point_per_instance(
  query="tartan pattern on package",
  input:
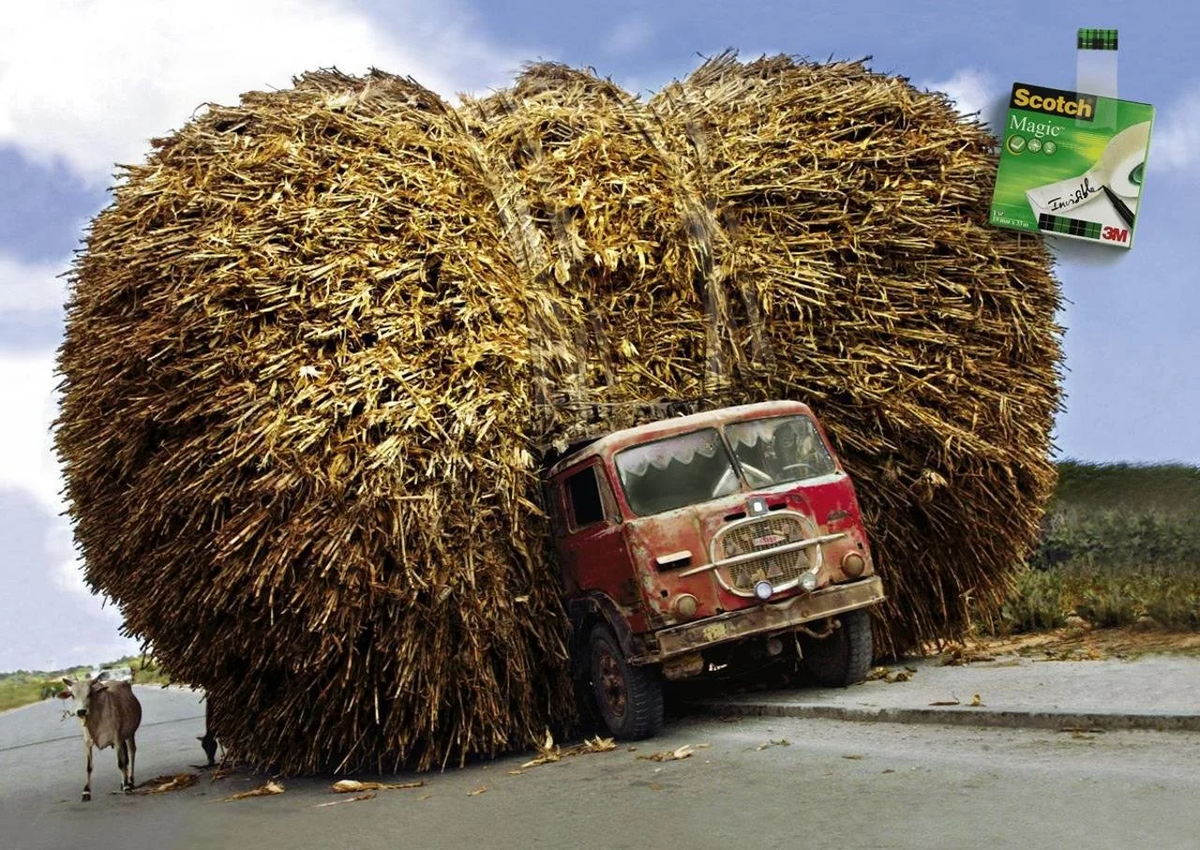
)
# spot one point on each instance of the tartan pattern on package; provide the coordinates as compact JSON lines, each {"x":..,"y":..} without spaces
{"x":1068,"y":226}
{"x":1090,"y":39}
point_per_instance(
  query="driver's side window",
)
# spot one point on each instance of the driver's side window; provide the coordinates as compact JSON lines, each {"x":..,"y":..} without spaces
{"x":584,"y":499}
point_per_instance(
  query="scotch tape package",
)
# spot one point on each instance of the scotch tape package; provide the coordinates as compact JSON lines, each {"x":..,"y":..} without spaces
{"x":1065,"y":172}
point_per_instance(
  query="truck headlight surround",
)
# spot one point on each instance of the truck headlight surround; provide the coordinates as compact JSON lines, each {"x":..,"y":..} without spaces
{"x":809,"y":581}
{"x":685,"y":606}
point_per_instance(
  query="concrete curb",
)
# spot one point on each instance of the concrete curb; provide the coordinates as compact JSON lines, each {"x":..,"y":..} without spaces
{"x":959,"y":716}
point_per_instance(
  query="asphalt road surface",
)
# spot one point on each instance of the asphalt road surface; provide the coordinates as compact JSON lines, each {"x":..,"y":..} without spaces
{"x":833,"y":784}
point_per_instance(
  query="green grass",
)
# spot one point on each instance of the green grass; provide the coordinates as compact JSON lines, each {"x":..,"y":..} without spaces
{"x":1105,"y":598}
{"x":1119,"y":542}
{"x":17,"y":690}
{"x":1122,"y":516}
{"x":1172,"y":488}
{"x":24,"y":686}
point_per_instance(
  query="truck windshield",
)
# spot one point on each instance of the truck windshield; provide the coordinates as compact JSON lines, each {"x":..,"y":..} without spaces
{"x":677,"y":471}
{"x":784,"y":448}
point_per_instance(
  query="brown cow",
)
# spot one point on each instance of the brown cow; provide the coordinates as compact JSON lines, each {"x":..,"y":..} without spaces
{"x":110,"y":715}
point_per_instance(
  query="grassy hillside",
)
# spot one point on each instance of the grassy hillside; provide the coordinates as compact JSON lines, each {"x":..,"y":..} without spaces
{"x":1119,"y":542}
{"x":1123,"y":516}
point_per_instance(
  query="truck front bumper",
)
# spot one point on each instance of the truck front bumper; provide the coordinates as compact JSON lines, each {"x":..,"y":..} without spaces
{"x":765,"y":618}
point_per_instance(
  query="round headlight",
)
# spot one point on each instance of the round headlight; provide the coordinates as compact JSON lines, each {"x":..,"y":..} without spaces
{"x":809,"y":581}
{"x":764,"y":590}
{"x":853,"y":564}
{"x":685,"y":606}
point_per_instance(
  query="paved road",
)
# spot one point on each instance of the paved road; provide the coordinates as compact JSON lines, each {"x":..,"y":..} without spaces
{"x":836,"y":785}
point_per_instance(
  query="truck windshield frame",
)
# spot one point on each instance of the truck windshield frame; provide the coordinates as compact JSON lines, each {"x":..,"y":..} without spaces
{"x":779,"y":450}
{"x":677,"y":471}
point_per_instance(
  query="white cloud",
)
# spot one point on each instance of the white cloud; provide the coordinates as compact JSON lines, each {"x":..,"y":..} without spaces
{"x":30,"y":286}
{"x":1175,"y":143}
{"x":971,"y":90}
{"x":629,"y":35}
{"x":27,"y":459}
{"x":123,"y":71}
{"x":29,"y":464}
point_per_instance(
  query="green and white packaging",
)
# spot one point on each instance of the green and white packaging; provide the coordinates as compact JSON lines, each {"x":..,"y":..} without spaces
{"x":1072,"y":164}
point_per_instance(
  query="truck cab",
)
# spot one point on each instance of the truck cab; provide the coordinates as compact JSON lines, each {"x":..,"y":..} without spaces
{"x":692,"y":542}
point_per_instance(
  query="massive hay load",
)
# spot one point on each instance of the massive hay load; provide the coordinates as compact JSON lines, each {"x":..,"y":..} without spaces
{"x":316,"y":343}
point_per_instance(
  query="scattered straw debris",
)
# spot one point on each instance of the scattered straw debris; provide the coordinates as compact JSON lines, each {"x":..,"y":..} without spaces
{"x":370,"y":795}
{"x":886,"y":674}
{"x":959,"y":656}
{"x":782,"y":742}
{"x":549,"y":752}
{"x":350,"y":786}
{"x":167,"y":783}
{"x":686,"y":751}
{"x":269,"y":788}
{"x":952,"y":701}
{"x":975,"y":702}
{"x":223,"y":771}
{"x":475,"y":792}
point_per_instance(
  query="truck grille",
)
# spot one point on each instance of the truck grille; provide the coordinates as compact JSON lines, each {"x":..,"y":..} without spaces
{"x":763,"y":535}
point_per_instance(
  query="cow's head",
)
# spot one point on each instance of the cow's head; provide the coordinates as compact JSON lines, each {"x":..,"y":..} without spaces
{"x":81,"y":691}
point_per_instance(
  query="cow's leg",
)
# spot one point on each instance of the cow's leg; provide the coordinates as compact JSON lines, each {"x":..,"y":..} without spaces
{"x":132,"y":752}
{"x":123,"y":764}
{"x":208,"y":743}
{"x":87,"y":789}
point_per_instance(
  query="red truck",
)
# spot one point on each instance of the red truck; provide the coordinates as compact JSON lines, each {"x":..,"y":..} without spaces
{"x":701,"y":541}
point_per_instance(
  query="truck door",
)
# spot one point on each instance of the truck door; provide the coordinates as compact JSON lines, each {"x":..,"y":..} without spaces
{"x":594,"y":553}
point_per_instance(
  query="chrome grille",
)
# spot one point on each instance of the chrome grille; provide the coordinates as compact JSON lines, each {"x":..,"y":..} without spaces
{"x":762,"y":535}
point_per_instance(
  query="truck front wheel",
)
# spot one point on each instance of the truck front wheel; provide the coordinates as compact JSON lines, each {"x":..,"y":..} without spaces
{"x":845,"y":656}
{"x":630,"y":698}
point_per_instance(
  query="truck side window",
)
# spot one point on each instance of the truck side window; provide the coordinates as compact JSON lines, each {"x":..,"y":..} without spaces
{"x":583,"y":494}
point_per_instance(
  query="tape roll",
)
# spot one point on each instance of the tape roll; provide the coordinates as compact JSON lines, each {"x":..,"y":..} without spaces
{"x":1124,"y":158}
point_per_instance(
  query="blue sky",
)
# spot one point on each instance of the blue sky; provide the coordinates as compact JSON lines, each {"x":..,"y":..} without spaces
{"x":84,"y":83}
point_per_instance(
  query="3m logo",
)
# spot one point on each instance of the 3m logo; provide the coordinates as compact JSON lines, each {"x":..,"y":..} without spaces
{"x":1115,"y":234}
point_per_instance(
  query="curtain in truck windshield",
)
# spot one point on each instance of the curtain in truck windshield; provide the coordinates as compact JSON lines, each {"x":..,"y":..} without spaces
{"x":773,"y":451}
{"x":675,"y":472}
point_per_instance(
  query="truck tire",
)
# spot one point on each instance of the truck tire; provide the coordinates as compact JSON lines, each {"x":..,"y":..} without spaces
{"x":844,"y":657}
{"x":629,"y":698}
